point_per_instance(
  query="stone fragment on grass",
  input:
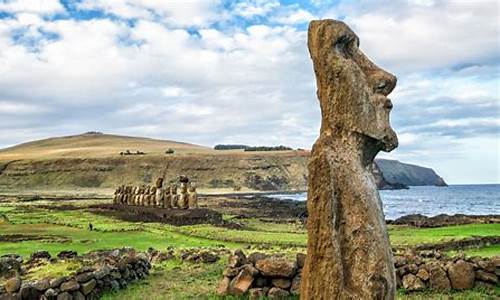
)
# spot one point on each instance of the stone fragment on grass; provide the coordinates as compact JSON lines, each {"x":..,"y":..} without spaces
{"x":413,"y":283}
{"x":255,"y":256}
{"x":256,"y":293}
{"x":461,"y":275}
{"x":223,"y":287}
{"x":242,"y":282}
{"x":237,"y":259}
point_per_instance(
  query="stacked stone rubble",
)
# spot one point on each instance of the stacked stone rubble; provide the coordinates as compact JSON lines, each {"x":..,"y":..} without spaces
{"x":113,"y":272}
{"x":262,"y":275}
{"x":160,"y":195}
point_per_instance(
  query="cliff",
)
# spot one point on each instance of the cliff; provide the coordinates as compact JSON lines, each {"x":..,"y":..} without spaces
{"x":407,"y":174}
{"x":94,"y":161}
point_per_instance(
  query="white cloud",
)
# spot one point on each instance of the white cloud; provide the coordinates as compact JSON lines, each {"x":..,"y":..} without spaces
{"x":295,"y":16}
{"x":45,"y":7}
{"x":252,"y":8}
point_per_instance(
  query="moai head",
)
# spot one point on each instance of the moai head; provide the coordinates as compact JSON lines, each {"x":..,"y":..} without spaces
{"x":152,"y":190}
{"x":184,"y":187}
{"x":159,"y":183}
{"x":352,"y":90}
{"x":183,"y":179}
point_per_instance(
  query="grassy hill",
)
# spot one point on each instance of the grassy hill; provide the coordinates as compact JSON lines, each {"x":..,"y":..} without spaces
{"x":94,"y":161}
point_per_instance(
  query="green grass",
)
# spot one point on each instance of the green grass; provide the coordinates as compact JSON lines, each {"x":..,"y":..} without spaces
{"x":488,"y":251}
{"x":474,"y":294}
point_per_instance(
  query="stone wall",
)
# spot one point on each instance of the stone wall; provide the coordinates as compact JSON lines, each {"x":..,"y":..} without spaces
{"x":260,"y":274}
{"x":103,"y":271}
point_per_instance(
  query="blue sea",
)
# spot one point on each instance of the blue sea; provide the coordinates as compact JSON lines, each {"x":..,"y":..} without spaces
{"x":480,"y":199}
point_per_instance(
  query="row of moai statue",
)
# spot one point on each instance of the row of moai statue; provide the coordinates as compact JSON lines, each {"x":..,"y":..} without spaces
{"x":159,"y":195}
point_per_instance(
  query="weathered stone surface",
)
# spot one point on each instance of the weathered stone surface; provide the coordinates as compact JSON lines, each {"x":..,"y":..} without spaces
{"x":242,"y":282}
{"x":64,"y":296}
{"x":41,"y":285}
{"x":12,"y":285}
{"x":282,"y":283}
{"x":237,"y":259}
{"x":78,"y":296}
{"x":438,"y":280}
{"x":461,"y":275}
{"x":295,"y":288}
{"x":87,"y":287}
{"x":486,"y":276}
{"x":348,"y":254}
{"x":413,"y":283}
{"x":423,"y":274}
{"x":51,"y":294}
{"x":255,"y":256}
{"x":71,"y":285}
{"x":56,"y":282}
{"x":276,"y":267}
{"x":256,"y":293}
{"x":301,"y":260}
{"x":223,"y":287}
{"x":84,"y":277}
{"x":277,"y":293}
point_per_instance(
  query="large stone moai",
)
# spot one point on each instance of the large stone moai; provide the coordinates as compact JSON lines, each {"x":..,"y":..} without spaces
{"x":348,"y":251}
{"x":167,"y":197}
{"x":116,"y":196}
{"x":183,"y":197}
{"x":159,"y":192}
{"x":142,"y":190}
{"x":192,"y":196}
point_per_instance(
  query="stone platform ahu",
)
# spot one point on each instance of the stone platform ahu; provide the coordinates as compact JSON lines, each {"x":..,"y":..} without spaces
{"x":348,"y":253}
{"x":160,"y":195}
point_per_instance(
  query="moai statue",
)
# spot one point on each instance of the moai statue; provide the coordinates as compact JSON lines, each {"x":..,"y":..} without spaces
{"x":130,"y":199}
{"x":136,"y":195}
{"x":192,"y":196}
{"x":167,"y":197}
{"x":147,"y":195}
{"x":127,"y":195}
{"x":159,"y":192}
{"x":121,"y":195}
{"x":183,"y":197}
{"x":174,"y":198}
{"x":152,"y":196}
{"x":348,"y":250}
{"x":142,"y":191}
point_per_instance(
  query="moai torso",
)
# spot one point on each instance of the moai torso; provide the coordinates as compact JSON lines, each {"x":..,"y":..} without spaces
{"x":152,"y":192}
{"x":183,"y":197}
{"x":142,"y":192}
{"x":159,"y":192}
{"x":193,"y":196}
{"x":167,"y":197}
{"x":174,"y":197}
{"x":348,"y":250}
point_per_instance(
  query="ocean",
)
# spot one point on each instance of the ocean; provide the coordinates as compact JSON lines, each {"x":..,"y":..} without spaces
{"x":478,"y":199}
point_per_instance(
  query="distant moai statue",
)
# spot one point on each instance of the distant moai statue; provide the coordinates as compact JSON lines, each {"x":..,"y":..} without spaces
{"x":130,"y":199}
{"x":121,"y":195}
{"x":136,"y":195}
{"x":147,"y":196}
{"x":183,"y":197}
{"x":142,"y":191}
{"x":167,"y":197}
{"x":152,"y":196}
{"x":127,"y":194}
{"x":116,"y":195}
{"x":159,"y":192}
{"x":192,"y":196}
{"x":174,"y":198}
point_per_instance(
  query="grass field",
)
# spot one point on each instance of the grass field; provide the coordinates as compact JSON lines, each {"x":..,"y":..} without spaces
{"x":57,"y":230}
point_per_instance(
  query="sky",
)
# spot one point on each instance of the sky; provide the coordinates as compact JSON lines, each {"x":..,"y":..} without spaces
{"x":216,"y":72}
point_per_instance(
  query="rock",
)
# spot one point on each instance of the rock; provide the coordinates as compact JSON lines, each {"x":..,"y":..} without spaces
{"x":87,"y":287}
{"x":461,"y":275}
{"x":276,"y":267}
{"x":41,"y":285}
{"x":413,"y":268}
{"x":67,"y":254}
{"x":27,"y":291}
{"x":482,"y":284}
{"x":237,"y":259}
{"x":10,"y":266}
{"x":78,"y":296}
{"x":85,"y":269}
{"x":71,"y":285}
{"x":103,"y":272}
{"x":208,"y":257}
{"x":231,"y":272}
{"x":438,"y":280}
{"x":56,"y":282}
{"x":282,"y":283}
{"x":12,"y":285}
{"x":64,"y":296}
{"x":255,"y":256}
{"x":348,"y":250}
{"x":486,"y":276}
{"x":223,"y":287}
{"x":84,"y":277}
{"x":115,"y":286}
{"x":256,"y":293}
{"x":301,"y":260}
{"x":277,"y":293}
{"x":40,"y":255}
{"x":51,"y":294}
{"x":413,"y":283}
{"x":260,"y":282}
{"x":423,"y":274}
{"x":242,"y":282}
{"x":295,"y":288}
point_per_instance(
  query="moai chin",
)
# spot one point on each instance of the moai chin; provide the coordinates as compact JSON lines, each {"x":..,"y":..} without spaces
{"x":348,"y":251}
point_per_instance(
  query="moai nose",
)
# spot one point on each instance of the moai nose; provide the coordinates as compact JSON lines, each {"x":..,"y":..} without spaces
{"x":383,"y":82}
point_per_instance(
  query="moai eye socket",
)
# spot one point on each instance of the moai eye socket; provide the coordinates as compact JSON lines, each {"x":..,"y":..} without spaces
{"x":381,"y":86}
